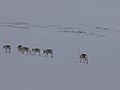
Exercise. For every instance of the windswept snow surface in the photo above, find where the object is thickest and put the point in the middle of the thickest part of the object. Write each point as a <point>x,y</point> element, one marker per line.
<point>63,71</point>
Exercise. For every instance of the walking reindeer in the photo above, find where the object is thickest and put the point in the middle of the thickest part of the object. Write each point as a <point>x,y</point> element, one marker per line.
<point>36,50</point>
<point>83,57</point>
<point>19,47</point>
<point>23,49</point>
<point>7,48</point>
<point>48,51</point>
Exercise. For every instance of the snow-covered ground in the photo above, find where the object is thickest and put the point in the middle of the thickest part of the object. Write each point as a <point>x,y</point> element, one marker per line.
<point>63,71</point>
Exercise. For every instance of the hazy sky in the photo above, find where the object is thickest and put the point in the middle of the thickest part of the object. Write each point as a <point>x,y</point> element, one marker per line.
<point>61,11</point>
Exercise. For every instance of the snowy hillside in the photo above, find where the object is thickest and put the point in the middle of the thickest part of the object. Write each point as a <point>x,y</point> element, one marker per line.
<point>63,71</point>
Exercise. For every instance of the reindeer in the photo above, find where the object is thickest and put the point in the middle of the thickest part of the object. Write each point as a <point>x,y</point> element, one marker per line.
<point>19,48</point>
<point>23,49</point>
<point>48,51</point>
<point>83,57</point>
<point>36,50</point>
<point>7,48</point>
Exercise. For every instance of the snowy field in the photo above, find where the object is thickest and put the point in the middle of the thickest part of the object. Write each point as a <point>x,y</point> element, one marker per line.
<point>63,71</point>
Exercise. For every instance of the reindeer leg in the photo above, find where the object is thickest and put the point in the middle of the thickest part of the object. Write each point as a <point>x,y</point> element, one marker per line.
<point>30,52</point>
<point>51,56</point>
<point>87,61</point>
<point>26,52</point>
<point>33,53</point>
<point>45,55</point>
<point>5,50</point>
<point>80,60</point>
<point>9,50</point>
<point>84,60</point>
<point>39,54</point>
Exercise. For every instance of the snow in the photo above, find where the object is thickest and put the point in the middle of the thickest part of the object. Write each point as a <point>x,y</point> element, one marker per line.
<point>63,71</point>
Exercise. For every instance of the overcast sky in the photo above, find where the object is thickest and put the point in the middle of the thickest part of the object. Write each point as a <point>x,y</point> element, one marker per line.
<point>61,11</point>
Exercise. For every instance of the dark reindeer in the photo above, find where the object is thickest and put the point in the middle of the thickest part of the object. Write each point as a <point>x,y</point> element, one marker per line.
<point>83,57</point>
<point>7,48</point>
<point>48,51</point>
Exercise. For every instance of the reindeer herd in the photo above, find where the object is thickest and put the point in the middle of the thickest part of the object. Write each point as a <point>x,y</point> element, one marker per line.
<point>34,51</point>
<point>27,50</point>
